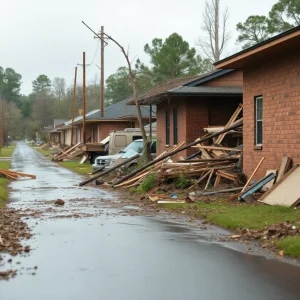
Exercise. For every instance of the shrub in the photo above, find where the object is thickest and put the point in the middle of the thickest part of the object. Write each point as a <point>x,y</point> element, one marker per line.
<point>182,182</point>
<point>148,184</point>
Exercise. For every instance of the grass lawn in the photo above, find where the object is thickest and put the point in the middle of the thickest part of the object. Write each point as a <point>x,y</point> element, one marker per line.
<point>233,216</point>
<point>5,152</point>
<point>77,167</point>
<point>290,246</point>
<point>239,216</point>
<point>45,152</point>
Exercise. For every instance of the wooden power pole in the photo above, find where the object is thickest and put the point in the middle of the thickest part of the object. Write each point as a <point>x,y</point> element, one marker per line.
<point>102,73</point>
<point>73,106</point>
<point>83,100</point>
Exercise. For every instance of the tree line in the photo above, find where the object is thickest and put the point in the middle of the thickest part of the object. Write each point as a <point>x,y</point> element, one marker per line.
<point>171,57</point>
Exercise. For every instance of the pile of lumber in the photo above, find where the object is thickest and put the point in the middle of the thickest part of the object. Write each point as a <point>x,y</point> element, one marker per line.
<point>216,160</point>
<point>14,175</point>
<point>165,168</point>
<point>69,153</point>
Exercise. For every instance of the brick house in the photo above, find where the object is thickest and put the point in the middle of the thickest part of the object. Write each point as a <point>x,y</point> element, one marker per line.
<point>53,135</point>
<point>117,116</point>
<point>187,105</point>
<point>271,100</point>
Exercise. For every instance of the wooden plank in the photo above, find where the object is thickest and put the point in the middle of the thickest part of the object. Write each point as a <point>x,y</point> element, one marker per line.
<point>74,154</point>
<point>20,174</point>
<point>170,202</point>
<point>209,178</point>
<point>285,164</point>
<point>270,183</point>
<point>286,191</point>
<point>200,180</point>
<point>84,158</point>
<point>217,148</point>
<point>254,172</point>
<point>230,122</point>
<point>109,170</point>
<point>69,150</point>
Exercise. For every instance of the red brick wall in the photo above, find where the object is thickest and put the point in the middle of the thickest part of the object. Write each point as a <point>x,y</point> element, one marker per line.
<point>278,81</point>
<point>232,79</point>
<point>180,105</point>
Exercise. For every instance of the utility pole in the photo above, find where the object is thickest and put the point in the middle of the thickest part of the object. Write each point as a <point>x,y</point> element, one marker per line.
<point>73,106</point>
<point>102,73</point>
<point>83,99</point>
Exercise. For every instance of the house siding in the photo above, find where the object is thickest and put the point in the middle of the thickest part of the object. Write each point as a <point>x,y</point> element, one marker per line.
<point>278,82</point>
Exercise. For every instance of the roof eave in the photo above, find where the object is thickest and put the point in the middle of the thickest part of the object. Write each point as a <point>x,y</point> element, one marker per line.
<point>228,62</point>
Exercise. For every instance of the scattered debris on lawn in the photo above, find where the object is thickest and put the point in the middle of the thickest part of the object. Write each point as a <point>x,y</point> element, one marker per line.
<point>269,235</point>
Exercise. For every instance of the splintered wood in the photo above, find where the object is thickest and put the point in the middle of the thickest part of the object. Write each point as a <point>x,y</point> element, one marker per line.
<point>14,175</point>
<point>215,160</point>
<point>69,153</point>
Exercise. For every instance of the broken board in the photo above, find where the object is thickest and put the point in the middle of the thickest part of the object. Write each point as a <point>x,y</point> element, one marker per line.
<point>84,158</point>
<point>270,183</point>
<point>284,167</point>
<point>286,191</point>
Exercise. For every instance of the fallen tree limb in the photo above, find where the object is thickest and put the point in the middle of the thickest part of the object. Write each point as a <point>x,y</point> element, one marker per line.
<point>110,170</point>
<point>177,151</point>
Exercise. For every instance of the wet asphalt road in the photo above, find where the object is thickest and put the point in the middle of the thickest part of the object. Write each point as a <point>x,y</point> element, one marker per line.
<point>110,256</point>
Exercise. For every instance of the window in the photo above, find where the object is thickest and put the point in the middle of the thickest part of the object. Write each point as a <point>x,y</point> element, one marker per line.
<point>259,120</point>
<point>167,127</point>
<point>175,127</point>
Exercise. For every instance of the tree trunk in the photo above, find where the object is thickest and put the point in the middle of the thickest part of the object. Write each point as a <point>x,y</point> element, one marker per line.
<point>216,25</point>
<point>139,115</point>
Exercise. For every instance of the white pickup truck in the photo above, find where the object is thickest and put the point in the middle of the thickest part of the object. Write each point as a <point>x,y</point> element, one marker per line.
<point>136,147</point>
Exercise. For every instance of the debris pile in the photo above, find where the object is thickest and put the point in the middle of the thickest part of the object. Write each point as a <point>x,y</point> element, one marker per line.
<point>12,230</point>
<point>269,233</point>
<point>69,153</point>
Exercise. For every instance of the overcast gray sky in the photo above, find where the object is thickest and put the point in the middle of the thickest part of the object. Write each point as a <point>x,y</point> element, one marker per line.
<point>47,37</point>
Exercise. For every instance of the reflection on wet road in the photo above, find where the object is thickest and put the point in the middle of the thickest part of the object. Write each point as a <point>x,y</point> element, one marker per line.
<point>109,256</point>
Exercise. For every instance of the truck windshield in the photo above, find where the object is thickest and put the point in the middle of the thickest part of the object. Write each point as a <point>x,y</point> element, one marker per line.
<point>133,146</point>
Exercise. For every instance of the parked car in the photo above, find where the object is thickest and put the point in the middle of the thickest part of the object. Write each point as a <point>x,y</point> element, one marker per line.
<point>113,144</point>
<point>132,149</point>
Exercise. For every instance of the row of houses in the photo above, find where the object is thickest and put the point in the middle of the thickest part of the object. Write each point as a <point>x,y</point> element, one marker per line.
<point>116,117</point>
<point>264,78</point>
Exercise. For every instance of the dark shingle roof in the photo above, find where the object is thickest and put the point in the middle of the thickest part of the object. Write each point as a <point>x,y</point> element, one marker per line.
<point>207,90</point>
<point>117,111</point>
<point>157,93</point>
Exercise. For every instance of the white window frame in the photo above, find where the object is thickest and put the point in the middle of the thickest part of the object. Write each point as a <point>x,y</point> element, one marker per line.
<point>258,120</point>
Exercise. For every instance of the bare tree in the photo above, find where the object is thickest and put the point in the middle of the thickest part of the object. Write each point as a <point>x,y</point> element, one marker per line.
<point>147,142</point>
<point>59,87</point>
<point>215,27</point>
<point>136,98</point>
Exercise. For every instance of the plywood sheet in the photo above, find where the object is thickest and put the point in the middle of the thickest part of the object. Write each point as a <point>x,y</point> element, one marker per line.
<point>286,191</point>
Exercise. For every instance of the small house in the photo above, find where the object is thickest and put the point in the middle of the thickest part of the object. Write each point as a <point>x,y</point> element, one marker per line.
<point>185,106</point>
